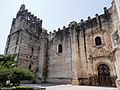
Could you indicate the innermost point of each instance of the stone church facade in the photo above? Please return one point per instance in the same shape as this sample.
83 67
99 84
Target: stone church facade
83 53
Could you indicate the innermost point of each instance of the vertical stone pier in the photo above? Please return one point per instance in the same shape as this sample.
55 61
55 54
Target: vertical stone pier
116 37
75 55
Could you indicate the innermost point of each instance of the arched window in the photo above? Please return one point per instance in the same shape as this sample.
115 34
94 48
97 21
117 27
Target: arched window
30 66
98 41
60 48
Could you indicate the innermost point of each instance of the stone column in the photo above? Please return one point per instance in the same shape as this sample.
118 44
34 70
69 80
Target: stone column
75 57
116 37
117 3
117 64
116 51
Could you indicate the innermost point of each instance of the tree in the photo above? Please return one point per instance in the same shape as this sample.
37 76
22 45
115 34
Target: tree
20 74
6 64
9 72
5 74
7 61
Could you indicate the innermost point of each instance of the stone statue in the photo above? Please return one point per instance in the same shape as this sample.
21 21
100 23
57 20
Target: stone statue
116 38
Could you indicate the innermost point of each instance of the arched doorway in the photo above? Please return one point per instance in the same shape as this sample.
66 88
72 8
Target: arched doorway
104 75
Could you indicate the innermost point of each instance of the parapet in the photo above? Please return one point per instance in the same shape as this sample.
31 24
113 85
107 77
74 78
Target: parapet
33 21
98 20
29 17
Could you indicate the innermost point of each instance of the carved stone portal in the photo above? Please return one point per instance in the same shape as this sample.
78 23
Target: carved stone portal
99 52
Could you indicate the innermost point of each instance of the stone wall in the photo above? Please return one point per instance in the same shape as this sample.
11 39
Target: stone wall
59 64
25 41
115 36
117 3
69 55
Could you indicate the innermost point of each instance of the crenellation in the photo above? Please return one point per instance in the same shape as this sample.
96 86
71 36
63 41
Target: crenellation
50 36
89 18
64 27
46 32
59 29
91 22
54 31
22 7
72 54
105 10
50 33
29 19
98 18
72 24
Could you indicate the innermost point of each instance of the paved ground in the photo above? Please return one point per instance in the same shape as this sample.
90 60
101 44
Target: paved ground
69 87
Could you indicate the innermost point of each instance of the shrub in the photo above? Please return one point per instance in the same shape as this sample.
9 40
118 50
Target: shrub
8 71
24 88
5 75
20 74
7 61
8 57
17 88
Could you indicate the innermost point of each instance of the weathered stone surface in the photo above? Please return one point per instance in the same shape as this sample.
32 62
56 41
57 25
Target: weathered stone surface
116 37
81 53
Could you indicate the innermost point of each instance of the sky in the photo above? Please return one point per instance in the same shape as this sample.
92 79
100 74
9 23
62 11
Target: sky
54 13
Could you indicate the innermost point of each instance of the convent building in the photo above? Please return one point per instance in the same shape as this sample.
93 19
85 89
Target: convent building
82 53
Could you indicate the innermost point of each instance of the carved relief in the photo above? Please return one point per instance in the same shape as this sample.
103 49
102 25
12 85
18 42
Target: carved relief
116 38
99 52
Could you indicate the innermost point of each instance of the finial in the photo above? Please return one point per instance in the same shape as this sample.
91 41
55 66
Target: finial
58 29
54 31
64 27
32 15
50 32
89 18
82 20
29 13
26 10
22 7
105 10
96 15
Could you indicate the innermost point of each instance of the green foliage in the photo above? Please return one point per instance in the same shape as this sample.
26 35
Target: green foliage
24 88
5 74
8 88
20 74
6 64
8 57
8 71
7 61
17 88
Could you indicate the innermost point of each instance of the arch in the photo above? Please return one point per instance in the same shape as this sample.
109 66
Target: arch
30 66
60 50
104 75
102 62
98 41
